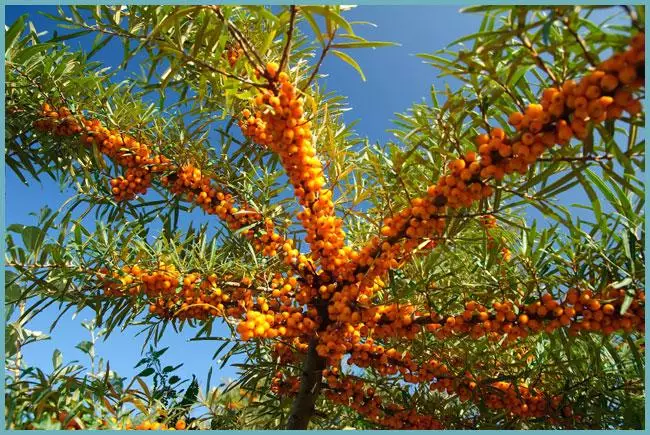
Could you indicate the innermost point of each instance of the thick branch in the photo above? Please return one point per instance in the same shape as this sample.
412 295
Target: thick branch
303 407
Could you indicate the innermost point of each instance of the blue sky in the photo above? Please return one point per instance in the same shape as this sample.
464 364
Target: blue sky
396 79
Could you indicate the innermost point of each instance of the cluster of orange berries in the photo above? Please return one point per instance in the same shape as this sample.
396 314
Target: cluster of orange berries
283 385
421 219
353 393
282 313
286 353
579 311
290 322
582 310
233 53
58 121
123 149
281 320
134 280
199 188
194 296
279 124
342 303
258 324
603 94
134 182
337 340
563 114
172 295
521 400
270 243
140 166
392 320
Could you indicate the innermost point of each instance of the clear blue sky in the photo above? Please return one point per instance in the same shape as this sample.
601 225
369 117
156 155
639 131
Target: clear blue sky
395 80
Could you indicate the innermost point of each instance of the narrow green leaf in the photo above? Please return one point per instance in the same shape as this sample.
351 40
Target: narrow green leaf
349 60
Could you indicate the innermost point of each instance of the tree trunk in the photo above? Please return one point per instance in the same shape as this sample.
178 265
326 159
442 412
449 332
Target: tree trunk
303 406
19 343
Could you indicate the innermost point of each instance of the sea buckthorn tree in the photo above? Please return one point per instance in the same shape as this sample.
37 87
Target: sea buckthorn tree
484 269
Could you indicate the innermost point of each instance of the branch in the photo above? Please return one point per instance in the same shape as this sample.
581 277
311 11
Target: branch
320 61
125 34
248 49
580 42
303 406
287 46
538 60
588 158
634 18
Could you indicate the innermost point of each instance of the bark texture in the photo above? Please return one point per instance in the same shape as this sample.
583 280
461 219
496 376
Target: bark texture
303 406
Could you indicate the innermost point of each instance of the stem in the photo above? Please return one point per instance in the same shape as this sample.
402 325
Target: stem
580 42
634 18
586 158
320 61
538 60
287 46
249 50
303 407
19 355
200 63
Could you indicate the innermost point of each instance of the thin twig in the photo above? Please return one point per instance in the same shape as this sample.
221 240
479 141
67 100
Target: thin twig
634 18
538 60
589 158
247 48
219 71
287 46
320 61
580 42
188 57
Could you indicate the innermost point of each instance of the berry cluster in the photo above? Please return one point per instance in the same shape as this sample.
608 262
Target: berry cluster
60 121
279 124
172 295
283 385
563 114
141 164
125 150
266 312
516 399
233 53
579 310
354 393
199 188
286 353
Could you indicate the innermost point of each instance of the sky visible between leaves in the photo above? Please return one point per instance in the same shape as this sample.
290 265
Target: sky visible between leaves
396 79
